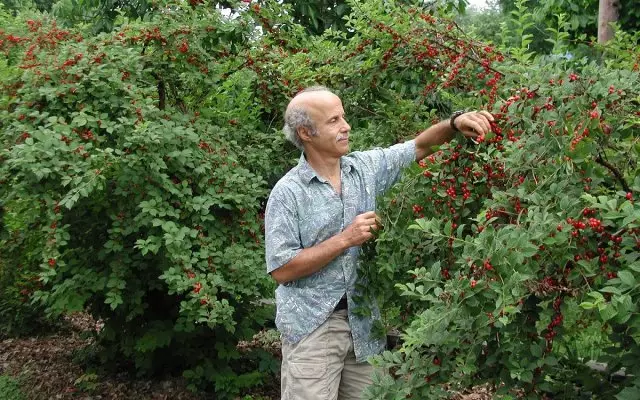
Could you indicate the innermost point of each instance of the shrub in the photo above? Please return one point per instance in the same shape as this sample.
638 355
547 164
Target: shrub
145 213
497 256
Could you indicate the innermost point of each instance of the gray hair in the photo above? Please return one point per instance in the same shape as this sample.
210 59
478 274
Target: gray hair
298 117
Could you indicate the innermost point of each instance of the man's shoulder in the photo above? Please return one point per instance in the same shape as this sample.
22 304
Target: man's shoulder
287 184
361 158
291 177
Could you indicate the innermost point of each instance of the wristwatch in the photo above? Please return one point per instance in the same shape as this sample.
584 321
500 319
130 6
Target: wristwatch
453 117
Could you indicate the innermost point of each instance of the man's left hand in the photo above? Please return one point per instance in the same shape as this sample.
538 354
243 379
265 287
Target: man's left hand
474 124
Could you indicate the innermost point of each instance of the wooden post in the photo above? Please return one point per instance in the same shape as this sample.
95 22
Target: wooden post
607 12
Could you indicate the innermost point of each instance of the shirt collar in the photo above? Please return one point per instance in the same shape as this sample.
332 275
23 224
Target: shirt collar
307 173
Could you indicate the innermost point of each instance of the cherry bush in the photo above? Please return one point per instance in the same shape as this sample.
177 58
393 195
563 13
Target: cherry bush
130 148
149 152
497 255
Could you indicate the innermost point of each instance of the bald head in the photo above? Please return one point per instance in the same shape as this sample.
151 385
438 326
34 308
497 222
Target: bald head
301 111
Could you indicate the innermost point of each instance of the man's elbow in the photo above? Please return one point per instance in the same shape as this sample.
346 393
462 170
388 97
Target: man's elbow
280 276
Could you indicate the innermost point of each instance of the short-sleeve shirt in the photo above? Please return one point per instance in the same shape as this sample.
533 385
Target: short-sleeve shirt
304 210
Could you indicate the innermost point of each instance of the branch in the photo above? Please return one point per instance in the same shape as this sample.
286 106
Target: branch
162 91
614 171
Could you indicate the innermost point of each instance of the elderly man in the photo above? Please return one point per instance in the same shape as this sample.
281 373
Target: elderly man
317 216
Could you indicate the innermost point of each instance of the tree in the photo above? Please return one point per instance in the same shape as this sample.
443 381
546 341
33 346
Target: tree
607 13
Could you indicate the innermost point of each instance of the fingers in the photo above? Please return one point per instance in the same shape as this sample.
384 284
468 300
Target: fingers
473 129
366 223
482 121
368 218
486 114
474 124
378 220
371 224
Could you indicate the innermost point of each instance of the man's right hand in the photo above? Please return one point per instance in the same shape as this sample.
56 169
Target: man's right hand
360 230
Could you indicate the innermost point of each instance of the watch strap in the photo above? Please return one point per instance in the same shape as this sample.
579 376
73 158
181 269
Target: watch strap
453 117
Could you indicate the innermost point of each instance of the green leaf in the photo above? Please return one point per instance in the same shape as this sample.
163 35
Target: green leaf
607 312
629 393
587 305
535 350
627 278
79 121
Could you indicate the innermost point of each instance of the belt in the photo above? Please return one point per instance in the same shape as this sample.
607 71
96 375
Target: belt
342 304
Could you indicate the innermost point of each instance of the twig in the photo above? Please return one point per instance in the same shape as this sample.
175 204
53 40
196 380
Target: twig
600 160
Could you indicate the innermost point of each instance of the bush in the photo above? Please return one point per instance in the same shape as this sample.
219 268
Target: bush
496 257
145 213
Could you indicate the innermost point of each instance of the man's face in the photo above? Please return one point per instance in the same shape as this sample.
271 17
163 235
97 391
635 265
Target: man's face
332 138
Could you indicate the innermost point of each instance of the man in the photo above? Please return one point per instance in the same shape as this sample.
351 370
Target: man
317 216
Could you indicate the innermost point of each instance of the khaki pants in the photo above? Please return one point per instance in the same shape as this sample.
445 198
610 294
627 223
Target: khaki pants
322 366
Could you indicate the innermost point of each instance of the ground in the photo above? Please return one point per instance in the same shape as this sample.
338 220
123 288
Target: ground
46 368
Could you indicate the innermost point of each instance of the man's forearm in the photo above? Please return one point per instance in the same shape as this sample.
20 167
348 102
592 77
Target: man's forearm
435 135
311 260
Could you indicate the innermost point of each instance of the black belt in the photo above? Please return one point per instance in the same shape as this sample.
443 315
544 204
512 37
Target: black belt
342 304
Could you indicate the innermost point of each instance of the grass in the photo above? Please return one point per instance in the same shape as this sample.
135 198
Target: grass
10 388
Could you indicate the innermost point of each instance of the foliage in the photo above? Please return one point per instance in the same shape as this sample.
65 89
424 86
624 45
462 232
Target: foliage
10 388
16 5
485 24
149 213
19 278
520 243
581 17
318 16
19 261
100 14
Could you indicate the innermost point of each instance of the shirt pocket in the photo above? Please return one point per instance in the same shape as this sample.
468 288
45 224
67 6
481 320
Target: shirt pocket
323 220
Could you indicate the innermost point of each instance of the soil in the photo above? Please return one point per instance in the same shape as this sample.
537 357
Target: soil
45 368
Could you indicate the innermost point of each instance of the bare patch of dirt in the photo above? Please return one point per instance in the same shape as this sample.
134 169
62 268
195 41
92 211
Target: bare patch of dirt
44 366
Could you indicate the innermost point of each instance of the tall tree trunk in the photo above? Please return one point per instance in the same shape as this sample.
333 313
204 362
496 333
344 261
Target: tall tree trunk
608 12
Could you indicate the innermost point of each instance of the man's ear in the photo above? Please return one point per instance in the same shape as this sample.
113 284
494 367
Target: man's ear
304 133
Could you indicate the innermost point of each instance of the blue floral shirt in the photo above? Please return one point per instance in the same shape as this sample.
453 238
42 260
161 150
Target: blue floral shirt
304 210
